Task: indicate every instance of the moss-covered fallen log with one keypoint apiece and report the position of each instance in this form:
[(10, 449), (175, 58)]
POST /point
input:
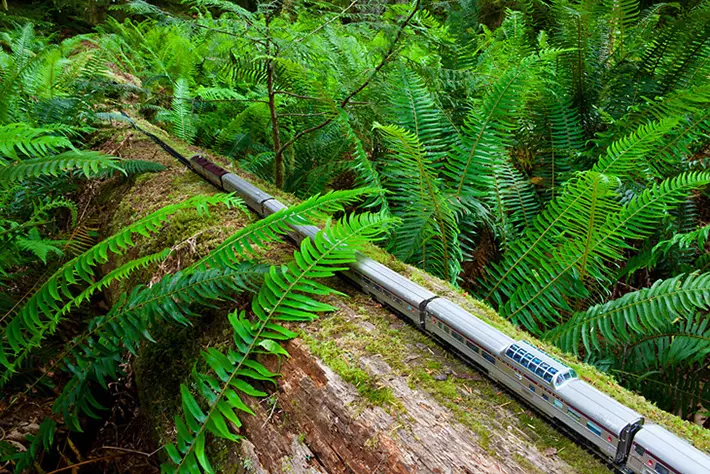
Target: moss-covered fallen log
[(362, 391)]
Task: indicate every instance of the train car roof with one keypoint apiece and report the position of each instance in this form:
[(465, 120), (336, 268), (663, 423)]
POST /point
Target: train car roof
[(601, 408), (244, 186), (272, 206), (674, 452), (389, 278), (541, 364), (466, 323), (306, 231)]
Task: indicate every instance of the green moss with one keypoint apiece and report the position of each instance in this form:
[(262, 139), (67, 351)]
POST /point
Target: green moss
[(547, 438), (336, 359), (525, 464)]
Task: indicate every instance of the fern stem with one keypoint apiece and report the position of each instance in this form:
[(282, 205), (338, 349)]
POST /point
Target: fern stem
[(285, 295)]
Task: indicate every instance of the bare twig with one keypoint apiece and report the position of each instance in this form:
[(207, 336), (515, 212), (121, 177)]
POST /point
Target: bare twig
[(316, 114), (83, 463), (273, 409)]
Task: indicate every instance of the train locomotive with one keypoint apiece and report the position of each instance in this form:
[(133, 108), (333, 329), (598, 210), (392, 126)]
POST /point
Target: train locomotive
[(617, 433)]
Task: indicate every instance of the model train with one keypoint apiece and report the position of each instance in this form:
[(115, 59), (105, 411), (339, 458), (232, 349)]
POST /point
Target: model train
[(615, 431)]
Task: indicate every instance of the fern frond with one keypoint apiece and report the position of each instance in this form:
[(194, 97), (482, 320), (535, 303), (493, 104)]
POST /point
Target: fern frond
[(30, 141), (218, 94), (181, 113), (428, 234), (223, 5), (272, 228), (638, 314), (88, 163), (565, 141), (41, 314), (526, 255), (623, 15), (97, 354), (44, 439), (487, 133), (698, 237), (367, 173), (588, 254), (40, 247), (627, 156), (287, 295), (134, 167), (412, 107), (665, 367)]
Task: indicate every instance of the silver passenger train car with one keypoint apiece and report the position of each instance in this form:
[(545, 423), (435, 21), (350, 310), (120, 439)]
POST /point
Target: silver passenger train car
[(615, 431)]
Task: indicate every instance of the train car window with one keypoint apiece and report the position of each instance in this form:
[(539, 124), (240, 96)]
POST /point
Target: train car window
[(518, 355), (535, 364), (661, 469), (640, 450), (526, 360), (572, 373), (548, 376), (542, 369), (472, 346), (557, 403), (532, 388), (489, 357), (545, 397), (457, 336), (594, 428), (510, 352), (573, 414)]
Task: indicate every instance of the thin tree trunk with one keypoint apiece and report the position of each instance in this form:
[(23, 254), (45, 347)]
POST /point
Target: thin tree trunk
[(278, 151)]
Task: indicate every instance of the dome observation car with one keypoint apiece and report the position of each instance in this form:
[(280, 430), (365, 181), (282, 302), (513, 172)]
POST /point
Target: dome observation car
[(536, 362)]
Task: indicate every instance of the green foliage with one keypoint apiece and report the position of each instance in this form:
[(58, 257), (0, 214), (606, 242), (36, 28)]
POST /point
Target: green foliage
[(97, 354), (88, 163), (276, 226), (43, 311), (429, 233), (42, 440), (180, 116), (635, 315), (287, 295), (29, 141), (548, 151)]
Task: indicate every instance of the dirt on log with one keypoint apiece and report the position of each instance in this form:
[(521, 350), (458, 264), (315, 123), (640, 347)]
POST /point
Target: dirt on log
[(362, 391)]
